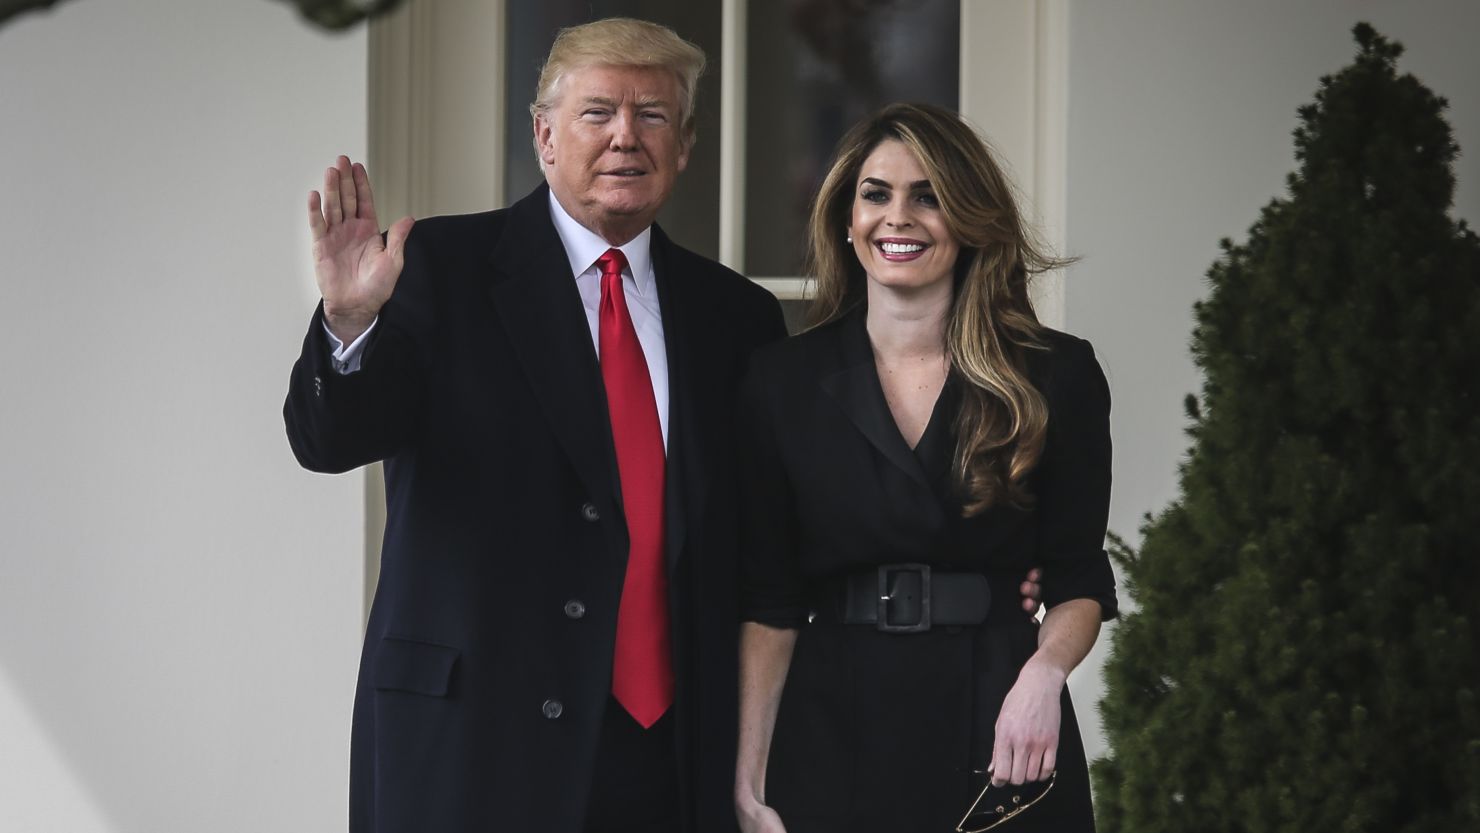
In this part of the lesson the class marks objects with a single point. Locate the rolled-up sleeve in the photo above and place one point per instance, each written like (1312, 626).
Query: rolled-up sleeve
(772, 590)
(1073, 491)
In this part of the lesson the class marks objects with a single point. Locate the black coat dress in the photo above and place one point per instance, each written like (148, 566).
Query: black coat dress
(882, 731)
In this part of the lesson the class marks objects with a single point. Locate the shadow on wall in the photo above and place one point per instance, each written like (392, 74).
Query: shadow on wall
(52, 779)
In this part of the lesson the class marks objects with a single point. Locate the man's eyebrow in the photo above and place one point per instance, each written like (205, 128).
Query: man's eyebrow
(914, 186)
(613, 103)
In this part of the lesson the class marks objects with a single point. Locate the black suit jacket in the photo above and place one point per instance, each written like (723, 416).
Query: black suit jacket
(487, 659)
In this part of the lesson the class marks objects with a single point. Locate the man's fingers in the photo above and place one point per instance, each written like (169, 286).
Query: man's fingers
(395, 239)
(333, 211)
(316, 223)
(349, 203)
(366, 197)
(1035, 575)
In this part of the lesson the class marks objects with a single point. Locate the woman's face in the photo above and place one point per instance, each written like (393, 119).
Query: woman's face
(899, 232)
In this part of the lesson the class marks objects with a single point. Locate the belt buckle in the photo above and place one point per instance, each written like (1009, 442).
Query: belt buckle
(886, 595)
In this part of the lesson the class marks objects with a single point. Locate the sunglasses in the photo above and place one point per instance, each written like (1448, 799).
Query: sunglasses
(996, 805)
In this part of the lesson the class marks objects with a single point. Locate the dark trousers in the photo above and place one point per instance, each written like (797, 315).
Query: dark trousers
(635, 786)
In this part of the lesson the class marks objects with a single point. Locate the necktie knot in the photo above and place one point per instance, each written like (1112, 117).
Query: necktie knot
(611, 263)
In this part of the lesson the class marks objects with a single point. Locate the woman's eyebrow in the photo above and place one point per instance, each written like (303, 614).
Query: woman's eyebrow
(916, 185)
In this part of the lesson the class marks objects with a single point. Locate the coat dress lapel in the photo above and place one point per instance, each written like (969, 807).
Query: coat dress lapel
(857, 390)
(537, 301)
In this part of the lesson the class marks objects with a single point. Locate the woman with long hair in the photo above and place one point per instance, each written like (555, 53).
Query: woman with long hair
(923, 444)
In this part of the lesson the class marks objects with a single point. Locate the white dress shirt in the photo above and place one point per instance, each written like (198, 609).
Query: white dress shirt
(582, 248)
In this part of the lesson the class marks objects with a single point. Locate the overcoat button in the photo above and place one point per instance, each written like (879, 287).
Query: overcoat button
(588, 511)
(552, 709)
(574, 609)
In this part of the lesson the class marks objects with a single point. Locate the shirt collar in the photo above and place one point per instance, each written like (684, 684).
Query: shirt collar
(583, 246)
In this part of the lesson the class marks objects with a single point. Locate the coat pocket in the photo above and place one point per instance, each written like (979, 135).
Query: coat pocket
(414, 666)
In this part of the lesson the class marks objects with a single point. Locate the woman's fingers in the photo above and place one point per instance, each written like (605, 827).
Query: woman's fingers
(1032, 590)
(1035, 770)
(1018, 760)
(1001, 767)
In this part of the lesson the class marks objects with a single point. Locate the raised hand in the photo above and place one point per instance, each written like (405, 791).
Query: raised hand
(356, 270)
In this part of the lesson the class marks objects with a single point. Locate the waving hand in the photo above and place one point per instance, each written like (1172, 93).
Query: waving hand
(356, 270)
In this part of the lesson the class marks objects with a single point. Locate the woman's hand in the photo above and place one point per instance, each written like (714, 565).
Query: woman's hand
(1028, 726)
(765, 657)
(756, 817)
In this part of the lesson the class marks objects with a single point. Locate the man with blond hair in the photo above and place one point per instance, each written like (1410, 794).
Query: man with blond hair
(552, 643)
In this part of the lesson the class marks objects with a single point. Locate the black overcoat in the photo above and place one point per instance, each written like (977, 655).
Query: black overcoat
(487, 659)
(886, 731)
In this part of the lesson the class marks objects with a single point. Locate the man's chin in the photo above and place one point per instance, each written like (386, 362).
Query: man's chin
(627, 205)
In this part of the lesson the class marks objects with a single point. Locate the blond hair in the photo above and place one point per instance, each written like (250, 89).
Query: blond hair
(1003, 420)
(621, 42)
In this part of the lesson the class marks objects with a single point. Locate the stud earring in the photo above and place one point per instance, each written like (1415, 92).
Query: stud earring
(849, 238)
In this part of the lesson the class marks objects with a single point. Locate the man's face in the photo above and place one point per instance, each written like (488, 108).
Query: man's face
(613, 146)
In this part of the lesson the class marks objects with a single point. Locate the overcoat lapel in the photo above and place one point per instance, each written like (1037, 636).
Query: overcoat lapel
(543, 316)
(856, 388)
(684, 308)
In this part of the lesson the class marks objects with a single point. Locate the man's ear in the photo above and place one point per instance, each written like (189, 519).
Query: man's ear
(685, 147)
(544, 139)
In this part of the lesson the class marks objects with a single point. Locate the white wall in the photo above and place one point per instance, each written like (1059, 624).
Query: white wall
(1180, 120)
(179, 604)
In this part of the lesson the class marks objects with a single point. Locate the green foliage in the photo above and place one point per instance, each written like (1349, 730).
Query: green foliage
(342, 14)
(329, 14)
(11, 8)
(1304, 653)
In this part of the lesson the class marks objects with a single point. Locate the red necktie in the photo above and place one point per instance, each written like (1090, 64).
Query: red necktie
(642, 669)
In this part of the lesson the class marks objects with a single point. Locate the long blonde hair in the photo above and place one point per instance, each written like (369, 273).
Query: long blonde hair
(1003, 420)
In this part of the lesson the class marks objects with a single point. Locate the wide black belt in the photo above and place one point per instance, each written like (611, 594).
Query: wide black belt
(905, 598)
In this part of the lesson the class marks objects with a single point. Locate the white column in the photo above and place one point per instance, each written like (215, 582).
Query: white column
(437, 109)
(1014, 87)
